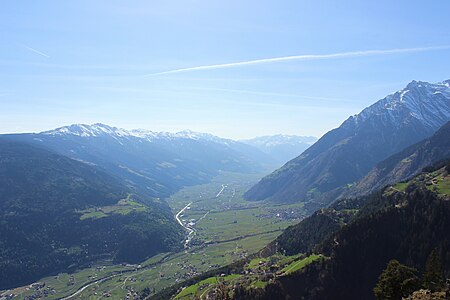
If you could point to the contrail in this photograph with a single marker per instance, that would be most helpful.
(35, 51)
(302, 58)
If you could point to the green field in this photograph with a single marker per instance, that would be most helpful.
(124, 207)
(257, 273)
(437, 181)
(227, 228)
(297, 265)
(401, 186)
(443, 184)
(203, 286)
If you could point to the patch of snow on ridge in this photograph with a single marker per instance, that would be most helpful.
(403, 94)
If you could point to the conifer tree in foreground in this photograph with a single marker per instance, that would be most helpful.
(396, 281)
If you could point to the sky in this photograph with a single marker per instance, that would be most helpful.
(236, 69)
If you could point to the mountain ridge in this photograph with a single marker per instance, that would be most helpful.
(97, 129)
(345, 154)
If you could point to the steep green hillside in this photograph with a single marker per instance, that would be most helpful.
(57, 213)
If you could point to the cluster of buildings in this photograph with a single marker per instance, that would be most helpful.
(40, 290)
(190, 269)
(295, 214)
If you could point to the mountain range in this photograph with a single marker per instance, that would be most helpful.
(282, 147)
(346, 154)
(79, 193)
(156, 164)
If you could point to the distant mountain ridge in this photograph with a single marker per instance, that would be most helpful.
(345, 154)
(99, 129)
(282, 147)
(153, 164)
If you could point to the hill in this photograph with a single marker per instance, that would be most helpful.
(57, 213)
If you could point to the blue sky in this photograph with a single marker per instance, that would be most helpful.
(64, 62)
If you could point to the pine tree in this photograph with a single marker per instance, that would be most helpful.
(433, 277)
(396, 281)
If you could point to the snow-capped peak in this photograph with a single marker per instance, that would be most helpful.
(143, 133)
(426, 102)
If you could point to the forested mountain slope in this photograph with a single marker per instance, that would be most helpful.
(56, 212)
(405, 164)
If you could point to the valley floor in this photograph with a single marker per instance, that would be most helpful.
(221, 228)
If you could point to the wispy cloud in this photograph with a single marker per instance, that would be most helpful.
(35, 51)
(307, 57)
